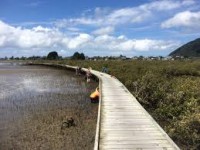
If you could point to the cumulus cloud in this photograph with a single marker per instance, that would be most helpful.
(139, 44)
(38, 37)
(42, 38)
(28, 38)
(79, 40)
(122, 43)
(183, 19)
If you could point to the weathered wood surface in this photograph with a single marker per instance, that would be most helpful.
(124, 123)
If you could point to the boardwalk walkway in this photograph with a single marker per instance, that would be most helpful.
(123, 123)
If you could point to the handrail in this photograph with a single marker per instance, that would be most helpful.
(96, 142)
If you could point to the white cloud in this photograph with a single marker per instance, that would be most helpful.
(122, 43)
(103, 39)
(41, 29)
(28, 38)
(128, 15)
(41, 39)
(63, 23)
(165, 5)
(183, 19)
(143, 45)
(144, 12)
(104, 30)
(79, 40)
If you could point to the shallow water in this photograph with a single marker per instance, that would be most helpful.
(35, 100)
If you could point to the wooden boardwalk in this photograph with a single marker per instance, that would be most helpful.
(123, 123)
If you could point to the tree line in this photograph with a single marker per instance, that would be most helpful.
(51, 56)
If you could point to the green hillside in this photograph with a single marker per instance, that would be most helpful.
(191, 49)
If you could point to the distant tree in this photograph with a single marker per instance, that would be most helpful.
(23, 58)
(82, 56)
(44, 57)
(78, 56)
(52, 55)
(60, 57)
(141, 57)
(34, 58)
(11, 58)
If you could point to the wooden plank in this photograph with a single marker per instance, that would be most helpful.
(123, 113)
(117, 110)
(131, 138)
(159, 143)
(117, 98)
(114, 95)
(117, 92)
(124, 123)
(126, 109)
(122, 107)
(116, 89)
(141, 146)
(132, 134)
(123, 103)
(134, 141)
(110, 105)
(127, 119)
(122, 117)
(117, 102)
(140, 149)
(127, 125)
(128, 129)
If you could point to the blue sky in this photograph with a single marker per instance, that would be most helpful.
(103, 27)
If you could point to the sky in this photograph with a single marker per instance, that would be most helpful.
(97, 27)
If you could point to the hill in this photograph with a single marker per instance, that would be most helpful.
(191, 49)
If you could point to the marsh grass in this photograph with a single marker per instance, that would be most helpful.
(36, 100)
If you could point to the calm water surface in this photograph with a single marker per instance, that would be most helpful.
(35, 100)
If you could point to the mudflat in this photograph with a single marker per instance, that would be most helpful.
(36, 100)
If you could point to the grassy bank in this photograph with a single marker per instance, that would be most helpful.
(169, 91)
